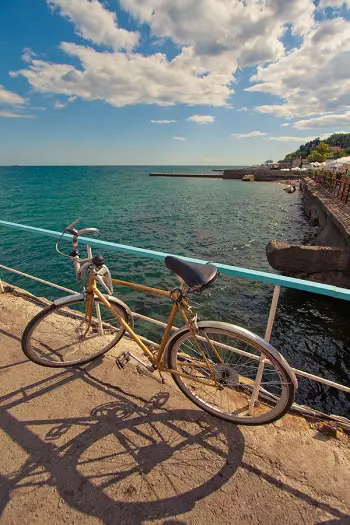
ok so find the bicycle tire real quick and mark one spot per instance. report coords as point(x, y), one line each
point(229, 375)
point(34, 344)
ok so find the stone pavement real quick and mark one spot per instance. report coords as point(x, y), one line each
point(97, 445)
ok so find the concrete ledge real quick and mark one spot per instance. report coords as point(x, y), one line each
point(307, 259)
point(326, 264)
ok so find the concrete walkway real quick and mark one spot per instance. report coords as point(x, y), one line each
point(338, 211)
point(103, 446)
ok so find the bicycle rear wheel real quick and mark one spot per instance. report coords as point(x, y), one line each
point(56, 337)
point(220, 376)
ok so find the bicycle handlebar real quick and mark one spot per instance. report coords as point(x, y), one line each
point(75, 254)
point(70, 227)
point(102, 273)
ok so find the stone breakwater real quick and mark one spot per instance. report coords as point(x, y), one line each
point(328, 259)
point(260, 174)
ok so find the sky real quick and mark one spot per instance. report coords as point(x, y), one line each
point(212, 82)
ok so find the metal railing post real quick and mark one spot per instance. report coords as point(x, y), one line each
point(272, 314)
point(259, 374)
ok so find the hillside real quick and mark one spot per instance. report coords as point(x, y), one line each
point(341, 140)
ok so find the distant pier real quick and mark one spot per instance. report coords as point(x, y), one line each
point(194, 175)
point(260, 174)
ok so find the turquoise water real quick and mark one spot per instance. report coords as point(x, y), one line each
point(226, 221)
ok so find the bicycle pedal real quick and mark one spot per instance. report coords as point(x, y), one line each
point(122, 360)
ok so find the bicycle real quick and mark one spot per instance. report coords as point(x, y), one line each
point(224, 369)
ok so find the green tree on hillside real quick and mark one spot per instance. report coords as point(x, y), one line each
point(337, 139)
point(340, 153)
point(321, 153)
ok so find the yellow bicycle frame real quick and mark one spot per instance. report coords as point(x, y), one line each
point(180, 305)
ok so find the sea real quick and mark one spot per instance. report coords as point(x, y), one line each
point(218, 220)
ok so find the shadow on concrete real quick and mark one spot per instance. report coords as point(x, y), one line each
point(149, 464)
point(298, 493)
point(160, 464)
point(9, 334)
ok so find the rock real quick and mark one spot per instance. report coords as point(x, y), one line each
point(296, 258)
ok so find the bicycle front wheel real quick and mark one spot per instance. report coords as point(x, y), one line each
point(220, 371)
point(60, 335)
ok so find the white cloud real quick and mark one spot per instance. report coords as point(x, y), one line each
point(278, 110)
point(285, 125)
point(248, 135)
point(95, 23)
point(11, 114)
point(313, 79)
point(333, 3)
point(201, 119)
point(214, 38)
point(28, 54)
point(182, 139)
point(246, 32)
point(163, 121)
point(325, 121)
point(9, 98)
point(122, 78)
point(301, 140)
point(59, 105)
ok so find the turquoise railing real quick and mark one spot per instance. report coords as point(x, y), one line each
point(236, 271)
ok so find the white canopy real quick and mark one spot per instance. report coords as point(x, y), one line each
point(343, 161)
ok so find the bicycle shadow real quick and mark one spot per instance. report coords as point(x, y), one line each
point(129, 464)
point(131, 460)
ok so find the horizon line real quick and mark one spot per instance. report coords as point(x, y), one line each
point(110, 165)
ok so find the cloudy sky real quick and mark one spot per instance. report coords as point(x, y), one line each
point(170, 81)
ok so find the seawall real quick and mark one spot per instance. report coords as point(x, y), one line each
point(328, 259)
point(194, 175)
point(261, 174)
point(331, 216)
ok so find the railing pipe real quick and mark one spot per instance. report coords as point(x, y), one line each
point(38, 280)
point(255, 275)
